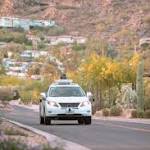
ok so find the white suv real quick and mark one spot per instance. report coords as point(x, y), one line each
point(65, 100)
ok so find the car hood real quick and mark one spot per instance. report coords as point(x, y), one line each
point(67, 99)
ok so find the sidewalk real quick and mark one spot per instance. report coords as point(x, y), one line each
point(135, 120)
point(30, 106)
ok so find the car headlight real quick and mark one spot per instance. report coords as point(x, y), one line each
point(52, 104)
point(86, 103)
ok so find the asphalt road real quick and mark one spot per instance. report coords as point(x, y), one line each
point(101, 135)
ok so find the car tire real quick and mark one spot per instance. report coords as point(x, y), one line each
point(47, 121)
point(81, 121)
point(87, 120)
point(41, 120)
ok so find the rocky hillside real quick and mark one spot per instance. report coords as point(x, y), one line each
point(121, 22)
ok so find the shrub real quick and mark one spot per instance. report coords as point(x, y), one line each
point(134, 114)
point(19, 29)
point(10, 81)
point(48, 147)
point(147, 114)
point(78, 47)
point(12, 145)
point(106, 112)
point(6, 94)
point(55, 31)
point(140, 114)
point(30, 96)
point(26, 96)
point(11, 131)
point(17, 37)
point(41, 46)
point(137, 114)
point(116, 111)
point(51, 31)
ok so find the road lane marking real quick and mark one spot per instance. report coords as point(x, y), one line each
point(125, 127)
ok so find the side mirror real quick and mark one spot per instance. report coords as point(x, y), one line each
point(90, 96)
point(43, 95)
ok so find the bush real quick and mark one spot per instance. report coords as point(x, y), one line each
point(137, 114)
point(55, 31)
point(30, 96)
point(140, 114)
point(50, 31)
point(48, 147)
point(106, 112)
point(26, 96)
point(27, 90)
point(134, 114)
point(10, 81)
point(116, 111)
point(78, 47)
point(11, 131)
point(147, 114)
point(16, 36)
point(6, 94)
point(12, 145)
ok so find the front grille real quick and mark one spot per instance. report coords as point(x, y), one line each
point(69, 104)
point(69, 115)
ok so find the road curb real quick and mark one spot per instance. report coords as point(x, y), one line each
point(53, 140)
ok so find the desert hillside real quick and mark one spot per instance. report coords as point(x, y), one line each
point(120, 23)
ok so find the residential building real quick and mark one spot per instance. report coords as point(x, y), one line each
point(26, 24)
point(66, 39)
point(28, 55)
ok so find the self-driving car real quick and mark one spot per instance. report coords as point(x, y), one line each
point(65, 100)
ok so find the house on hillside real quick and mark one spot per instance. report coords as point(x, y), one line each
point(28, 55)
point(33, 38)
point(66, 39)
point(7, 62)
point(14, 68)
point(144, 41)
point(26, 24)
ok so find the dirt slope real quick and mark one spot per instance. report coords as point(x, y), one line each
point(121, 21)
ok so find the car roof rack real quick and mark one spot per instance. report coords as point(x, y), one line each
point(63, 82)
point(63, 76)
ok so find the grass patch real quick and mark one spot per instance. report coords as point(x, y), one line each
point(11, 131)
point(12, 145)
point(48, 147)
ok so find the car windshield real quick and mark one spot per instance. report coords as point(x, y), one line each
point(66, 92)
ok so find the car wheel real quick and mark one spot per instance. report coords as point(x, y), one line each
point(81, 121)
point(41, 120)
point(87, 120)
point(47, 121)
